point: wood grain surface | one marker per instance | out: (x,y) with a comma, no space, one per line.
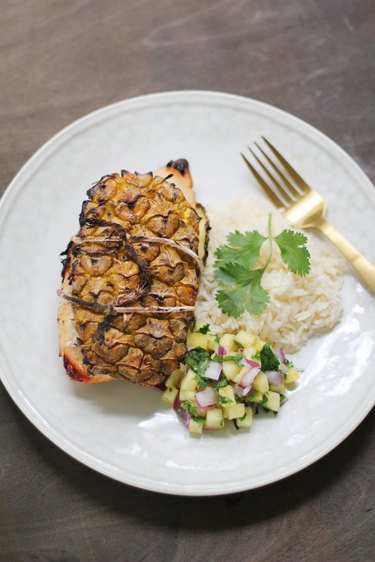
(61,59)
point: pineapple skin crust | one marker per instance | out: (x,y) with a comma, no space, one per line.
(106,265)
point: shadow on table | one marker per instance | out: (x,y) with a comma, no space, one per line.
(120,502)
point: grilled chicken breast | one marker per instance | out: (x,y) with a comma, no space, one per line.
(130,277)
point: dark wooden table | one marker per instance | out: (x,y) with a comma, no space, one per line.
(61,59)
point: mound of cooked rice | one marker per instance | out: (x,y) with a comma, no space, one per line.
(300,306)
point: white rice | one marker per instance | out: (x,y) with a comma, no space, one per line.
(300,306)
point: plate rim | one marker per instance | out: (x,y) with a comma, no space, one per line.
(37,419)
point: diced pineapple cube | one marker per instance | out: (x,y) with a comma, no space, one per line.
(245,420)
(259,344)
(291,376)
(214,418)
(196,426)
(249,351)
(187,395)
(211,343)
(169,395)
(256,397)
(245,339)
(234,411)
(273,401)
(280,388)
(189,381)
(238,378)
(196,339)
(231,369)
(199,323)
(228,341)
(261,382)
(173,379)
(227,395)
(199,412)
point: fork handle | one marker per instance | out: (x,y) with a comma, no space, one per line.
(363,267)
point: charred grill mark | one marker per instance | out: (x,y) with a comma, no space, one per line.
(65,262)
(76,250)
(102,327)
(87,304)
(181,165)
(82,216)
(116,227)
(144,271)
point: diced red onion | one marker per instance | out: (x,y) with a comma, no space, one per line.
(240,391)
(280,353)
(206,397)
(213,371)
(249,376)
(177,406)
(274,377)
(221,350)
(283,368)
(252,363)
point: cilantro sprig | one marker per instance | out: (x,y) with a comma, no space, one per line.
(198,360)
(204,329)
(240,283)
(269,361)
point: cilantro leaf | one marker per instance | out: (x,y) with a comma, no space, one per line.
(268,360)
(198,359)
(241,290)
(202,382)
(240,287)
(222,382)
(204,329)
(249,396)
(293,251)
(242,248)
(199,419)
(191,409)
(220,358)
(225,400)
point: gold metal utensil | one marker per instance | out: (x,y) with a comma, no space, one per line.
(302,205)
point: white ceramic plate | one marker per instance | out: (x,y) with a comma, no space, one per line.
(124,431)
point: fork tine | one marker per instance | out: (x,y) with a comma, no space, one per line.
(277,185)
(264,185)
(296,177)
(289,185)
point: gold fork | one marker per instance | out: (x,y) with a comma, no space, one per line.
(303,206)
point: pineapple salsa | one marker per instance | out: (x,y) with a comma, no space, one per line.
(227,378)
